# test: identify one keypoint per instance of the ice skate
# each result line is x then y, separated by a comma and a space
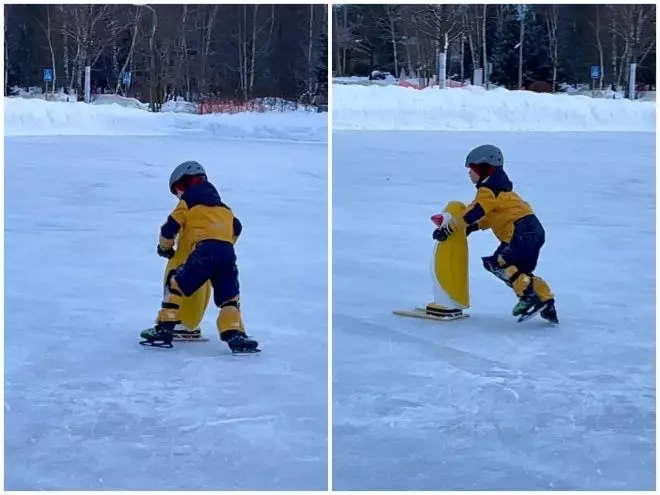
527, 306
157, 336
549, 312
182, 332
239, 343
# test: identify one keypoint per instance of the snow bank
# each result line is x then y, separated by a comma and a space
122, 101
179, 106
33, 117
473, 108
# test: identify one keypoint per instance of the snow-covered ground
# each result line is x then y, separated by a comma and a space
86, 407
487, 403
472, 108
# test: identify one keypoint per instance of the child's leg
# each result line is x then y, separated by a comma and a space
226, 294
230, 323
519, 261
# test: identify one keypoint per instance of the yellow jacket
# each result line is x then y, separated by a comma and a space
496, 206
202, 215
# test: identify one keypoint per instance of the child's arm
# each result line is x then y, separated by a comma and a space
238, 228
477, 210
473, 218
172, 226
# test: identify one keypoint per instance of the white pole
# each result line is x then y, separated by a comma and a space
631, 81
442, 69
88, 83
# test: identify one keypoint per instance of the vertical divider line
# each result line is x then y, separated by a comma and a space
329, 179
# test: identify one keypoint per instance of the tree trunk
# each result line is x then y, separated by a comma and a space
473, 52
408, 57
310, 46
600, 50
420, 55
483, 40
115, 61
184, 52
6, 55
614, 51
65, 47
240, 46
462, 55
253, 57
345, 12
551, 21
75, 69
244, 59
468, 18
52, 52
337, 53
388, 9
130, 51
206, 47
520, 48
153, 83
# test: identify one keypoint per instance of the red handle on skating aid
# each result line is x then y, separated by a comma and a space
437, 219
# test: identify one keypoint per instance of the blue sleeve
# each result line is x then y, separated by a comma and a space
238, 227
474, 215
170, 228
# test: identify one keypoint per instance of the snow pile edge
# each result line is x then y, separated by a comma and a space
356, 107
33, 117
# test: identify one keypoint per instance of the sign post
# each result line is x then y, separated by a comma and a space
595, 75
48, 78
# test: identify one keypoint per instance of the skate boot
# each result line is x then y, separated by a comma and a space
527, 306
182, 332
239, 343
157, 336
549, 312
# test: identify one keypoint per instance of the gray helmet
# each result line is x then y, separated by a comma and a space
486, 154
186, 168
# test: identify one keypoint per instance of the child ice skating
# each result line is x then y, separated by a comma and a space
514, 223
212, 230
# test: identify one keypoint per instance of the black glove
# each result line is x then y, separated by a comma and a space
442, 233
165, 253
471, 228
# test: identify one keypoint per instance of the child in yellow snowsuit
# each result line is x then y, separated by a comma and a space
212, 229
514, 223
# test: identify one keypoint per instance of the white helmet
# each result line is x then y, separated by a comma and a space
190, 168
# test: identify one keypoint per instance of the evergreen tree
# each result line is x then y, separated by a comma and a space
505, 53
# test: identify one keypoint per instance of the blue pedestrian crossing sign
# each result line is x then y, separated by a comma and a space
48, 75
126, 78
595, 72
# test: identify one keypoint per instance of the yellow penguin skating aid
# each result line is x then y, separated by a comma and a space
192, 308
449, 274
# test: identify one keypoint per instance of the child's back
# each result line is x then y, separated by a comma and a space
203, 216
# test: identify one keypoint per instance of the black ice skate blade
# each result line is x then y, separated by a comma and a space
149, 343
244, 352
533, 312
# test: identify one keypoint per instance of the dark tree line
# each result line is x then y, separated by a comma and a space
559, 42
195, 51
